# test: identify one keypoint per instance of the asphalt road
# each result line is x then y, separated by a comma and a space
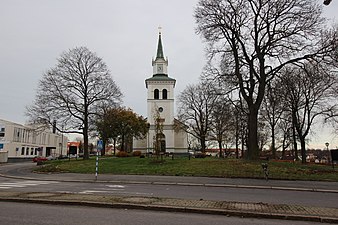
306, 198
27, 214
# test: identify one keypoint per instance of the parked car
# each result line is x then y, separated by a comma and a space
39, 159
63, 157
51, 157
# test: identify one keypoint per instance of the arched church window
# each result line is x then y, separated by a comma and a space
164, 94
156, 94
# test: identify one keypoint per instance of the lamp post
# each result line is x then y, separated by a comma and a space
327, 148
148, 144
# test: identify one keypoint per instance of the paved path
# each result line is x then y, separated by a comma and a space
279, 211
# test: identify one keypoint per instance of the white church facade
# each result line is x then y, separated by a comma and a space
160, 111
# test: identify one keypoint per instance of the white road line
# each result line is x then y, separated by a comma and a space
22, 184
91, 192
115, 186
12, 185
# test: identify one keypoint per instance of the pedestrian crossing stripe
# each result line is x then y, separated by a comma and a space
22, 184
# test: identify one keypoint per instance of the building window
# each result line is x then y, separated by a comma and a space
156, 94
27, 151
164, 94
16, 136
22, 150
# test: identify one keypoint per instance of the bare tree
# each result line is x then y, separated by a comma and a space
257, 38
308, 91
286, 127
196, 104
223, 122
272, 110
73, 91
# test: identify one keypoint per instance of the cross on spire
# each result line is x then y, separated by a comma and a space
159, 54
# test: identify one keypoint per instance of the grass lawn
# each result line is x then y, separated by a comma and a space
211, 167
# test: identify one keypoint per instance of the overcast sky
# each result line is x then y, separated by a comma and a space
122, 32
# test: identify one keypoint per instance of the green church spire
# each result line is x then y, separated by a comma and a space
159, 54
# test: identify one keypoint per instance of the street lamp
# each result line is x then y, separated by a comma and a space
327, 148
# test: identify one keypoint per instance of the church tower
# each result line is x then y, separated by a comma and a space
171, 137
160, 102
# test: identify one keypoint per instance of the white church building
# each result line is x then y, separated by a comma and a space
160, 109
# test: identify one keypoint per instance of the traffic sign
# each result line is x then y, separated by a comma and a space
99, 145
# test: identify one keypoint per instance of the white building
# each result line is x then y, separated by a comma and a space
26, 141
160, 107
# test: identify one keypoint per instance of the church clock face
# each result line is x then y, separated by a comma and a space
159, 68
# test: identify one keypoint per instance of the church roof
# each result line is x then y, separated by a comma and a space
160, 77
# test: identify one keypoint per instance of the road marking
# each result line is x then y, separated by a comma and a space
115, 186
109, 188
92, 192
23, 184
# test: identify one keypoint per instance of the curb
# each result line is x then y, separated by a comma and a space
223, 212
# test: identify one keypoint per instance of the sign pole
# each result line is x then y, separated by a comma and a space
98, 148
97, 164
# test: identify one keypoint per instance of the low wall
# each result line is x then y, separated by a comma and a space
3, 156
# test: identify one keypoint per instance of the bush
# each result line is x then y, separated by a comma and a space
137, 153
200, 155
122, 154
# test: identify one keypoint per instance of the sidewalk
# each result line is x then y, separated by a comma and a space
277, 211
242, 209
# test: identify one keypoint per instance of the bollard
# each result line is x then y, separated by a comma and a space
265, 171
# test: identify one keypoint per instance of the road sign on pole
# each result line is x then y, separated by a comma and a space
99, 145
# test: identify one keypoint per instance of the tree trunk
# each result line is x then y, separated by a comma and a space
243, 143
253, 152
237, 138
303, 149
122, 142
103, 151
114, 146
295, 143
283, 149
85, 138
203, 144
220, 148
85, 144
273, 142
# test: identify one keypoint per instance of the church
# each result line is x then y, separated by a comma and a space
164, 129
